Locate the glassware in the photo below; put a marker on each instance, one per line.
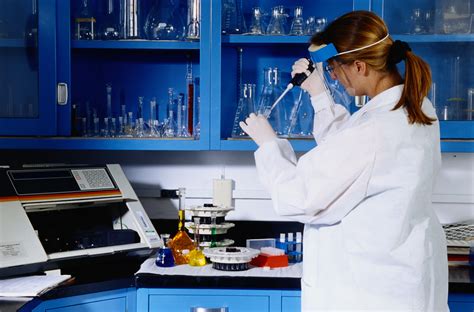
(453, 16)
(320, 24)
(256, 24)
(417, 21)
(195, 256)
(470, 103)
(164, 255)
(181, 244)
(297, 26)
(140, 107)
(301, 117)
(151, 124)
(213, 230)
(85, 22)
(197, 127)
(182, 118)
(108, 90)
(232, 17)
(194, 20)
(310, 26)
(245, 106)
(272, 89)
(164, 21)
(190, 97)
(109, 21)
(130, 19)
(170, 127)
(276, 25)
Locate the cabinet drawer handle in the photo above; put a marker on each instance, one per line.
(224, 309)
(62, 93)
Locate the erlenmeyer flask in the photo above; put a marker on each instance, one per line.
(232, 17)
(272, 89)
(165, 21)
(276, 27)
(256, 25)
(297, 26)
(301, 118)
(245, 107)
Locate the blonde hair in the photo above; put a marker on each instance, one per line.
(361, 28)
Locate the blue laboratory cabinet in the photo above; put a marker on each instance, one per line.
(119, 300)
(50, 80)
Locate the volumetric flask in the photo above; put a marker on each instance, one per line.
(245, 106)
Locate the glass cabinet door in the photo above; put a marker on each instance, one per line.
(27, 67)
(442, 33)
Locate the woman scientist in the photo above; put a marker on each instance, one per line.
(372, 239)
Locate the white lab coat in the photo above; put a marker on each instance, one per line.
(372, 240)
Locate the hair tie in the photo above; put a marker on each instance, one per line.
(398, 52)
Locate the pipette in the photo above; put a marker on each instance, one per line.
(297, 80)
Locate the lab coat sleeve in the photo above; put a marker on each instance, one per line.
(325, 184)
(328, 117)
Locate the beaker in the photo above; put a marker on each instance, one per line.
(297, 26)
(232, 17)
(245, 106)
(164, 255)
(164, 21)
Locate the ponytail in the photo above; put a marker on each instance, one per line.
(417, 82)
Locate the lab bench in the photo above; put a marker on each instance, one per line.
(152, 292)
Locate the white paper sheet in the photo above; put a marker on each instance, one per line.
(30, 286)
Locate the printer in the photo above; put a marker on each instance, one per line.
(52, 213)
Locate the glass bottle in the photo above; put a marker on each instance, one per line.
(245, 107)
(85, 22)
(297, 26)
(195, 256)
(109, 21)
(181, 244)
(164, 21)
(164, 255)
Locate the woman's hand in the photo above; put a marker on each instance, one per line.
(313, 84)
(258, 128)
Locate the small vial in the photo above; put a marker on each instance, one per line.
(299, 247)
(164, 256)
(281, 243)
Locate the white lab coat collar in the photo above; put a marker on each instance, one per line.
(385, 100)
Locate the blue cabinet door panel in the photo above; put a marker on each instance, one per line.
(118, 304)
(178, 303)
(290, 304)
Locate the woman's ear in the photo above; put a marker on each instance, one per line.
(361, 68)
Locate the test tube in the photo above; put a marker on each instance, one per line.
(299, 247)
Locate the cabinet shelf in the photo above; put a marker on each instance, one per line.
(250, 39)
(135, 44)
(67, 143)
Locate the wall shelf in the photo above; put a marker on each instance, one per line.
(135, 44)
